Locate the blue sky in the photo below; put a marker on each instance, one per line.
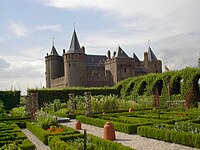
(27, 28)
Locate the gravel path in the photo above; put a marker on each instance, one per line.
(39, 145)
(134, 141)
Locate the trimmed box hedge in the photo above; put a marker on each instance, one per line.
(38, 131)
(184, 138)
(11, 134)
(122, 127)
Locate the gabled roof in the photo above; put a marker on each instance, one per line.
(121, 53)
(74, 46)
(151, 55)
(135, 57)
(53, 51)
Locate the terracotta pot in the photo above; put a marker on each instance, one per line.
(78, 125)
(130, 109)
(109, 131)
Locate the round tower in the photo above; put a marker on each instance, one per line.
(75, 64)
(54, 66)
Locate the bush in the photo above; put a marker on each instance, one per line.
(55, 143)
(49, 95)
(10, 99)
(38, 131)
(27, 145)
(44, 119)
(122, 127)
(167, 135)
(18, 111)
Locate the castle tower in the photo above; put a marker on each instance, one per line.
(151, 63)
(75, 64)
(54, 66)
(120, 66)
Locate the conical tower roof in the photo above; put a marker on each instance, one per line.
(151, 55)
(74, 46)
(135, 57)
(53, 51)
(121, 53)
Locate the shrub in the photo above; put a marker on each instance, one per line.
(38, 131)
(44, 119)
(18, 111)
(167, 135)
(10, 99)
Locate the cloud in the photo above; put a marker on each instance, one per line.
(55, 27)
(22, 75)
(18, 29)
(3, 64)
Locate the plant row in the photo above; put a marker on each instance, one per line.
(71, 139)
(12, 137)
(49, 95)
(173, 136)
(122, 127)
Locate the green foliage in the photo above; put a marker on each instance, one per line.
(122, 127)
(55, 143)
(10, 99)
(38, 131)
(49, 95)
(79, 144)
(106, 144)
(44, 119)
(18, 111)
(167, 135)
(12, 138)
(181, 82)
(110, 103)
(56, 105)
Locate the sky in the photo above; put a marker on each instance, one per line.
(28, 27)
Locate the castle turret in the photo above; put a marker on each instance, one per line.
(75, 64)
(151, 63)
(54, 66)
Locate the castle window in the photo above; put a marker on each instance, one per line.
(124, 70)
(155, 65)
(69, 65)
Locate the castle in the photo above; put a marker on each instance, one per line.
(75, 68)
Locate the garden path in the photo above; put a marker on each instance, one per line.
(39, 145)
(132, 140)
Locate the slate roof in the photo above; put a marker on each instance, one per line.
(135, 57)
(121, 53)
(53, 51)
(151, 55)
(95, 60)
(74, 46)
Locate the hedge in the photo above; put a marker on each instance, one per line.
(167, 135)
(55, 143)
(10, 99)
(38, 131)
(108, 145)
(49, 95)
(122, 127)
(182, 82)
(12, 134)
